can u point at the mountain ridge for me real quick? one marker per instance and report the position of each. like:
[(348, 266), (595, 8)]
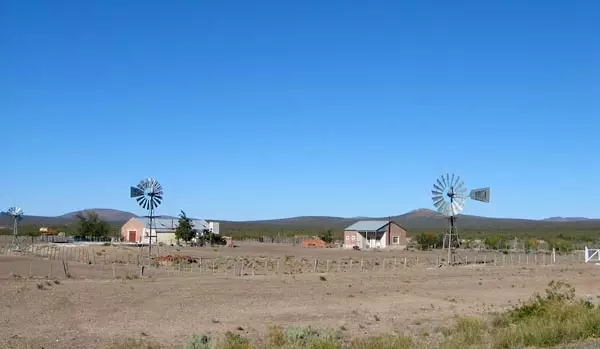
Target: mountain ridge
[(421, 217)]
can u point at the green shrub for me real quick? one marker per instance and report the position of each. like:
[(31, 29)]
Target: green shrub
[(384, 342), (553, 319), (199, 341), (133, 343), (312, 337), (234, 341)]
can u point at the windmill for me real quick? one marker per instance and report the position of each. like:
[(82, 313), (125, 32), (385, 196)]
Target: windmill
[(148, 194), (17, 215), (448, 195)]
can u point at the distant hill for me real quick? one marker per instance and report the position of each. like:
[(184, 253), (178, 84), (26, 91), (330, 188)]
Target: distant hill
[(109, 215), (106, 214), (417, 218), (566, 219), (415, 221)]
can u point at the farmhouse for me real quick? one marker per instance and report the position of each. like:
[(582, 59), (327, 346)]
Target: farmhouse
[(136, 229), (375, 234)]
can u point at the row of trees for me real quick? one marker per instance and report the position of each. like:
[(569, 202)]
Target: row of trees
[(498, 242)]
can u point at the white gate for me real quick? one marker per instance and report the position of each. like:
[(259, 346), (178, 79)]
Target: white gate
[(592, 254)]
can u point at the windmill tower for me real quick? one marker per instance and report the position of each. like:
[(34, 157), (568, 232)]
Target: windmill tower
[(448, 195), (17, 215), (148, 194)]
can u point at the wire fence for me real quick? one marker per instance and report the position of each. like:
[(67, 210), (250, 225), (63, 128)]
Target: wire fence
[(54, 260)]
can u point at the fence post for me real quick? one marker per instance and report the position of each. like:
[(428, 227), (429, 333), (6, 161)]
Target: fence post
[(316, 268), (361, 263), (327, 270), (553, 255), (383, 265), (404, 262)]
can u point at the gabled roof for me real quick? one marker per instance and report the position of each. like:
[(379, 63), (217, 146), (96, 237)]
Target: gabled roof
[(369, 226), (168, 224)]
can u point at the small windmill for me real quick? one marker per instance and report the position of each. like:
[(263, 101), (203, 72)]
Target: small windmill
[(448, 195), (17, 215), (148, 194)]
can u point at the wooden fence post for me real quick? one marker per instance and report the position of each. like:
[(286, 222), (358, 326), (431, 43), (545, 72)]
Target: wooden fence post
[(316, 265), (361, 263), (404, 262)]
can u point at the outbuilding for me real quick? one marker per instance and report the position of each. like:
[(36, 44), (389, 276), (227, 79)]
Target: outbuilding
[(136, 229), (375, 234)]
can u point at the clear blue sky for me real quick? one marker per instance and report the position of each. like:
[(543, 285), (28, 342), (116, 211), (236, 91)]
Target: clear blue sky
[(267, 109)]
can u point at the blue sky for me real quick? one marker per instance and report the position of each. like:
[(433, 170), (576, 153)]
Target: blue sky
[(267, 109)]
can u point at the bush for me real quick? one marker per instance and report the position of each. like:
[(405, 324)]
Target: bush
[(132, 343), (275, 336), (553, 319), (383, 342), (312, 337), (199, 341), (234, 341)]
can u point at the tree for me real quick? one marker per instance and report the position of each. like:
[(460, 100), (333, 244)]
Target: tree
[(493, 242), (185, 228), (327, 236), (426, 240), (90, 224)]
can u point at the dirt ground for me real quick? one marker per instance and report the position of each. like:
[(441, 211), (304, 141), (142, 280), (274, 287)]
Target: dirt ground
[(91, 309)]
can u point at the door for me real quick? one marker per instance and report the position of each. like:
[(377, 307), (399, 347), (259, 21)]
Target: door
[(132, 236)]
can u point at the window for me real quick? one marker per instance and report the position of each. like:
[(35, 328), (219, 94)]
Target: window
[(395, 240)]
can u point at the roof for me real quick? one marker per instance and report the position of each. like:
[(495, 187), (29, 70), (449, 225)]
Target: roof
[(167, 224), (370, 226)]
